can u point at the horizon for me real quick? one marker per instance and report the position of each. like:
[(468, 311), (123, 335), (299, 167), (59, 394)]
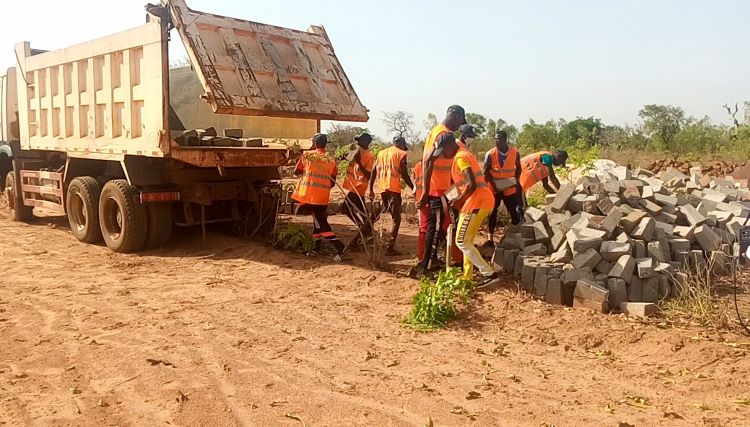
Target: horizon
[(540, 60)]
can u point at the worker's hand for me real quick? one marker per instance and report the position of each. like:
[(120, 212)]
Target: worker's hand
[(421, 203)]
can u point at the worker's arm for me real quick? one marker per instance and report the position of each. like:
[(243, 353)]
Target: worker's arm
[(299, 168), (358, 160), (334, 175), (553, 177), (372, 181), (486, 172), (470, 187), (405, 174), (547, 187), (427, 178), (518, 174)]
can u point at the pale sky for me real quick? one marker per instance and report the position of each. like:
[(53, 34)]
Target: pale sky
[(511, 59)]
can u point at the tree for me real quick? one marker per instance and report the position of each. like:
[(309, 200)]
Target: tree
[(401, 123), (534, 136), (479, 122), (662, 123), (340, 135), (430, 122), (588, 130)]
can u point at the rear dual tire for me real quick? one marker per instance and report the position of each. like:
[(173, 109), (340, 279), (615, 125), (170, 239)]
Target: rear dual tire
[(123, 220), (82, 205)]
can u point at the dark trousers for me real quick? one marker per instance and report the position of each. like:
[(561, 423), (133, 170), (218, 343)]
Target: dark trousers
[(321, 228), (391, 203), (435, 232), (354, 208), (513, 203)]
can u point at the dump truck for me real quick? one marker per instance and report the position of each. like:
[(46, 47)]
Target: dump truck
[(107, 134)]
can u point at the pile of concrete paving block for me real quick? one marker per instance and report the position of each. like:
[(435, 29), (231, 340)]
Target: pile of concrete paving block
[(623, 240), (210, 138)]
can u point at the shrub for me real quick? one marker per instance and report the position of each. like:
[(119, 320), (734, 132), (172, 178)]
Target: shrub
[(437, 302)]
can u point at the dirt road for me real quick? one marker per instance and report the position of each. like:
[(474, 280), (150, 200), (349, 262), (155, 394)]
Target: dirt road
[(233, 333)]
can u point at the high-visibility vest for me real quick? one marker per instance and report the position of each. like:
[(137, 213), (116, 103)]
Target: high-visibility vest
[(355, 180), (418, 180), (388, 167), (508, 168), (314, 188), (532, 170), (482, 197), (441, 167)]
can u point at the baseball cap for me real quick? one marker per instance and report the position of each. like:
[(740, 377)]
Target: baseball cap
[(400, 140), (320, 139), (468, 131), (443, 140), (457, 109), (363, 137)]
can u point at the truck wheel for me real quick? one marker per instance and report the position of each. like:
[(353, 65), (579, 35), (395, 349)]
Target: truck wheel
[(82, 205), (123, 221), (159, 225), (14, 200)]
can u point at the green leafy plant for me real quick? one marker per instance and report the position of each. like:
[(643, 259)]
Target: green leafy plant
[(437, 302), (294, 238), (536, 197)]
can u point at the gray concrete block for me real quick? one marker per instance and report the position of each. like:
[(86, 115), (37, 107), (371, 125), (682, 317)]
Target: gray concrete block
[(563, 197), (541, 234), (612, 251), (575, 204), (618, 292), (686, 232), (665, 199), (610, 223), (599, 307), (605, 205), (623, 268), (643, 310), (647, 192), (692, 215), (707, 238), (554, 294), (588, 290), (509, 260), (535, 215), (639, 249), (497, 257), (536, 249), (512, 241), (555, 219), (558, 238), (645, 267), (571, 277), (650, 207), (564, 254), (677, 244), (644, 230), (528, 272), (590, 258), (527, 231), (518, 266), (651, 289), (665, 289), (635, 289), (655, 251), (604, 267), (540, 281), (631, 220)]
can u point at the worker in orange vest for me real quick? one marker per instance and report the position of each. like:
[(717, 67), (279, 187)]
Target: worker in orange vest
[(355, 183), (390, 169), (318, 175), (474, 203), (539, 167), (437, 179), (502, 164)]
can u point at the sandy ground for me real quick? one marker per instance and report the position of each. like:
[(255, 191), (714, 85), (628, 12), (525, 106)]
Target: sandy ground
[(234, 333)]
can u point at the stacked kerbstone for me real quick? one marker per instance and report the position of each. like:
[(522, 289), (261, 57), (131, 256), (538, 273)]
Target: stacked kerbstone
[(622, 237)]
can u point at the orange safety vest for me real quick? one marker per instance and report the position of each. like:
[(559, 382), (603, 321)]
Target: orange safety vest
[(507, 170), (314, 188), (482, 197), (441, 167), (355, 180), (418, 180), (388, 167), (532, 170)]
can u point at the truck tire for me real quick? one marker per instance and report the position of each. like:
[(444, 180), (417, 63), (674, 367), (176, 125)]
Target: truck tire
[(159, 225), (82, 206), (123, 221), (17, 211)]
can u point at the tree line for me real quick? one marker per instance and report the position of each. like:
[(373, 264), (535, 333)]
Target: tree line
[(664, 129)]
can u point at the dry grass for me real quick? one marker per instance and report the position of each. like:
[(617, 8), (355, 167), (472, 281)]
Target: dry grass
[(696, 299)]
